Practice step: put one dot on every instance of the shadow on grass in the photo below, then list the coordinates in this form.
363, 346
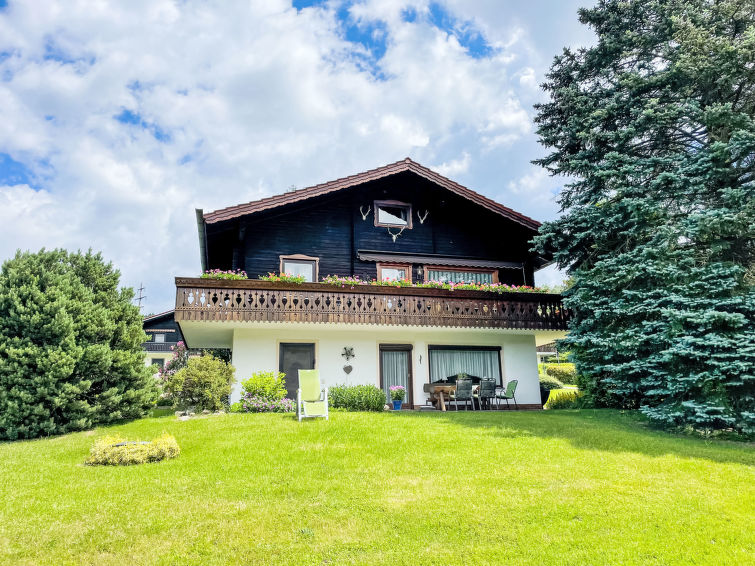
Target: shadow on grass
598, 429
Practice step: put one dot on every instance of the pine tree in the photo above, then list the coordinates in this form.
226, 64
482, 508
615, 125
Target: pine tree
70, 346
654, 128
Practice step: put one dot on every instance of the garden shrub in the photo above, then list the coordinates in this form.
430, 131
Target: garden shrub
205, 383
115, 450
357, 397
564, 399
254, 404
566, 372
549, 383
267, 385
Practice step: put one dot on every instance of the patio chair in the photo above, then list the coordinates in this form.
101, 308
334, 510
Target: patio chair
508, 394
311, 397
463, 393
486, 392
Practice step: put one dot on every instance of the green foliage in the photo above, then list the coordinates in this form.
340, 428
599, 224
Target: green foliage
356, 397
115, 450
654, 126
205, 383
564, 399
548, 383
267, 385
70, 346
566, 373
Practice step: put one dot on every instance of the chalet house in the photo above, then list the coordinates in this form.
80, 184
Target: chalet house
398, 222
163, 334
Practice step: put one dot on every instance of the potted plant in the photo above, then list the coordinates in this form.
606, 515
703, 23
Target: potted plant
398, 392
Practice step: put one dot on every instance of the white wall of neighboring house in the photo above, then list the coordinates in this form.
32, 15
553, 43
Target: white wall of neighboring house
256, 348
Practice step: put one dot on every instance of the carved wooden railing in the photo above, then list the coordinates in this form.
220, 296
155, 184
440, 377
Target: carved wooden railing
265, 301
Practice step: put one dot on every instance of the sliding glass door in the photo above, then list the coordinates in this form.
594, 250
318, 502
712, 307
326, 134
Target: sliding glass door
476, 361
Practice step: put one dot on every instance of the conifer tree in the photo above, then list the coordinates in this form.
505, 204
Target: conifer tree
654, 126
70, 346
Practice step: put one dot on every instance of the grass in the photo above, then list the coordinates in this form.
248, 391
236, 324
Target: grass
556, 487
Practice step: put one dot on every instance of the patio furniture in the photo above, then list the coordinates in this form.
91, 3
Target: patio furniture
463, 392
311, 397
508, 394
439, 392
486, 392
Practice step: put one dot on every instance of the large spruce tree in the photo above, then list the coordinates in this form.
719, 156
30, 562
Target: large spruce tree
654, 128
70, 346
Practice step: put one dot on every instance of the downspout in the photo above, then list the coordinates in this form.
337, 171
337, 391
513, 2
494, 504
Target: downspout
202, 232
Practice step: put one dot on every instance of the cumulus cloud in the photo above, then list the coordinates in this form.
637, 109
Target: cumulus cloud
124, 117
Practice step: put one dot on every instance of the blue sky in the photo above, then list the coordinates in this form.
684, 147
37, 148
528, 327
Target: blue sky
117, 120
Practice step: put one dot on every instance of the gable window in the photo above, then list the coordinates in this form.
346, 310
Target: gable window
467, 275
393, 214
160, 338
301, 265
394, 272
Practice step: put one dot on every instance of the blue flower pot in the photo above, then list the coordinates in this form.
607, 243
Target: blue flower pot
397, 405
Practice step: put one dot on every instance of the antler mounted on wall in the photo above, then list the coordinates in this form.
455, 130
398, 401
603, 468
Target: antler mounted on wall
363, 213
394, 236
422, 217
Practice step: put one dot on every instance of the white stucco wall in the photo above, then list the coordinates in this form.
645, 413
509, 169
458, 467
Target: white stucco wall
256, 347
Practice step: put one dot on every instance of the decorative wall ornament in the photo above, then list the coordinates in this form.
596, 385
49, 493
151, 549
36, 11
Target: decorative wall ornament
394, 236
347, 369
348, 353
422, 217
363, 213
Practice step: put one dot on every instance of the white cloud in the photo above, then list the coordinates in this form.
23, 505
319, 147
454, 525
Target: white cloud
248, 98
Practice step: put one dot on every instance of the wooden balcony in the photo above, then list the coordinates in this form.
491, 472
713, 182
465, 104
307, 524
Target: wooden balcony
265, 301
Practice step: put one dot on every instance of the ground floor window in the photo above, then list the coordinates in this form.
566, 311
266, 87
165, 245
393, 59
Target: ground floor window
476, 361
159, 362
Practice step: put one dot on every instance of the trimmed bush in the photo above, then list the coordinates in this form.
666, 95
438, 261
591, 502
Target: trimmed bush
357, 398
564, 399
115, 450
565, 372
205, 383
549, 383
267, 385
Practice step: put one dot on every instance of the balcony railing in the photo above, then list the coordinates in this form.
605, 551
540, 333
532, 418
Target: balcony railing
265, 301
158, 346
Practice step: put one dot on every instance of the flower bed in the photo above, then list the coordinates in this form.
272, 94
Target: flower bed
220, 274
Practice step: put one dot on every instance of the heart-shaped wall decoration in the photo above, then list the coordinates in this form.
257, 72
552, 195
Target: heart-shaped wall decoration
347, 369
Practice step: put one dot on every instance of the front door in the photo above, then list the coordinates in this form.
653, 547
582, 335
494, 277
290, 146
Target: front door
396, 369
293, 357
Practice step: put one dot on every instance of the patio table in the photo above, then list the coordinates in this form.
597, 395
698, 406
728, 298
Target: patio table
437, 392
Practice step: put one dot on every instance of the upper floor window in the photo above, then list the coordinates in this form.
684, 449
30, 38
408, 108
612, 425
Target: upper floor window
394, 272
393, 214
451, 275
300, 265
159, 337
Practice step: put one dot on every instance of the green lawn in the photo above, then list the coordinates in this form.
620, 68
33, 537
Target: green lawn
558, 487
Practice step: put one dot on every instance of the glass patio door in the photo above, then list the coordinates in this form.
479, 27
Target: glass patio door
395, 369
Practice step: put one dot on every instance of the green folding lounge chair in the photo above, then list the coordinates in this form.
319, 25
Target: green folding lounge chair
311, 397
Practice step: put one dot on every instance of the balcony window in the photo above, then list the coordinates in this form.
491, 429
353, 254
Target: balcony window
160, 338
393, 214
447, 275
300, 265
394, 272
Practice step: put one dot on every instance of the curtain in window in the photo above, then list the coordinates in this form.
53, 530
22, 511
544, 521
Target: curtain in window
459, 276
395, 371
481, 363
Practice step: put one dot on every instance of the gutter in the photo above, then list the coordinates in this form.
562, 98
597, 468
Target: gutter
202, 233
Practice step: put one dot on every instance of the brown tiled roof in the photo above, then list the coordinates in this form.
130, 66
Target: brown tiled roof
371, 175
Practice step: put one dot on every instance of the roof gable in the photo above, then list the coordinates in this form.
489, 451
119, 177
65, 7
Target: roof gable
360, 178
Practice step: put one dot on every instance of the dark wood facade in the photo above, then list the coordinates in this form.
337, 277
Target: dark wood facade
165, 324
336, 226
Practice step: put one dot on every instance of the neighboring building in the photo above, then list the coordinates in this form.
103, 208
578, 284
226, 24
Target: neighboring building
398, 221
164, 333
